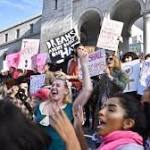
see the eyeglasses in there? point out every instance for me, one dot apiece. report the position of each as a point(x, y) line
point(110, 59)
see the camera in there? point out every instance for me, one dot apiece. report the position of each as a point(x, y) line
point(21, 95)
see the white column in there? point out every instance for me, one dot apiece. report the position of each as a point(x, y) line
point(146, 33)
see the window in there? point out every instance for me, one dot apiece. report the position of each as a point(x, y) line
point(18, 33)
point(6, 37)
point(56, 3)
point(31, 28)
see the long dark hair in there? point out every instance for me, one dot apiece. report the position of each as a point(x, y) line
point(131, 54)
point(134, 110)
point(17, 132)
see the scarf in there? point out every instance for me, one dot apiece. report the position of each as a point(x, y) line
point(117, 138)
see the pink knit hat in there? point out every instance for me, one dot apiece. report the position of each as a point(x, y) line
point(43, 94)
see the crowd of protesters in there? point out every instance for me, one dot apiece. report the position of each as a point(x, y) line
point(54, 118)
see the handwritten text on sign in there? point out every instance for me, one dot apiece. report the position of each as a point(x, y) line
point(36, 82)
point(29, 48)
point(109, 34)
point(96, 63)
point(62, 46)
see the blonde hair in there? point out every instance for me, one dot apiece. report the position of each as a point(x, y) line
point(59, 75)
point(117, 63)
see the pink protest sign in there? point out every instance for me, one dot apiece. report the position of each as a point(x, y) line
point(29, 48)
point(41, 61)
point(13, 60)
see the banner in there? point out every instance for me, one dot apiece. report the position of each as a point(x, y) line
point(132, 69)
point(61, 47)
point(13, 60)
point(144, 77)
point(29, 48)
point(36, 82)
point(110, 34)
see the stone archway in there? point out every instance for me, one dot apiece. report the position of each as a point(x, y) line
point(128, 12)
point(89, 27)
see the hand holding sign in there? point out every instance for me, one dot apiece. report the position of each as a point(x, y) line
point(82, 54)
point(107, 71)
point(96, 62)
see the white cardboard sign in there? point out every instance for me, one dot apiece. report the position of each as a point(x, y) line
point(109, 34)
point(133, 71)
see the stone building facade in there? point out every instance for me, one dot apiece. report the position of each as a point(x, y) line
point(86, 16)
point(11, 38)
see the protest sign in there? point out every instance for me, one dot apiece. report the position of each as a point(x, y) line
point(96, 63)
point(29, 48)
point(36, 82)
point(39, 61)
point(132, 69)
point(13, 60)
point(61, 47)
point(110, 34)
point(144, 77)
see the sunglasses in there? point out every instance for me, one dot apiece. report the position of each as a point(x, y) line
point(110, 59)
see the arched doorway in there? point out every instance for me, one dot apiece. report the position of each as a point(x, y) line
point(128, 12)
point(89, 28)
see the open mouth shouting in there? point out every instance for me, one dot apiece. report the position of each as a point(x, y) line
point(101, 124)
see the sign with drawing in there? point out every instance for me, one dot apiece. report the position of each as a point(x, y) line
point(133, 71)
point(29, 48)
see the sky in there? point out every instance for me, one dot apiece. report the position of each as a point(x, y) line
point(15, 11)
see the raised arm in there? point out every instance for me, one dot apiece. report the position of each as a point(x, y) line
point(87, 84)
point(60, 122)
point(78, 121)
